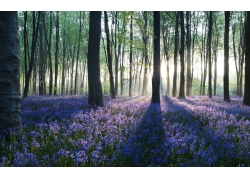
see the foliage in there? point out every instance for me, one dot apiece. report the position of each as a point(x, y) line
point(197, 131)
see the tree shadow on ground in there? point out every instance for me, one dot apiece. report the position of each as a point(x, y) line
point(212, 145)
point(145, 146)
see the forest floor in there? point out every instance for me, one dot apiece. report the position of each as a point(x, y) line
point(196, 131)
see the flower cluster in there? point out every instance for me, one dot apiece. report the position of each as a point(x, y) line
point(65, 131)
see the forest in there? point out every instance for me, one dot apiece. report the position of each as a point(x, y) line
point(125, 88)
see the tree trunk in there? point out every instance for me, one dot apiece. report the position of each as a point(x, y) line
point(130, 56)
point(94, 83)
point(145, 41)
point(210, 54)
point(205, 58)
point(175, 54)
point(35, 24)
point(10, 109)
point(41, 58)
point(226, 58)
point(156, 67)
point(56, 52)
point(188, 42)
point(78, 51)
point(63, 57)
point(215, 65)
point(182, 76)
point(109, 56)
point(246, 99)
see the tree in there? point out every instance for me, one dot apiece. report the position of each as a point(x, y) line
point(30, 61)
point(182, 81)
point(210, 54)
point(10, 116)
point(145, 36)
point(130, 55)
point(175, 54)
point(56, 52)
point(226, 58)
point(157, 68)
point(109, 57)
point(188, 42)
point(94, 83)
point(246, 99)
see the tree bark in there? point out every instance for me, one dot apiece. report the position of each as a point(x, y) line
point(109, 56)
point(188, 42)
point(246, 99)
point(156, 67)
point(94, 83)
point(10, 109)
point(130, 56)
point(145, 41)
point(175, 54)
point(210, 54)
point(182, 76)
point(226, 58)
point(78, 51)
point(56, 52)
point(41, 58)
point(35, 24)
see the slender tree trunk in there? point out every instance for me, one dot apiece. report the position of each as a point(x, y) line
point(122, 69)
point(109, 56)
point(78, 52)
point(156, 67)
point(246, 99)
point(41, 57)
point(145, 41)
point(205, 58)
point(235, 59)
point(35, 24)
point(188, 42)
point(226, 58)
point(56, 52)
point(175, 54)
point(130, 56)
point(48, 41)
point(94, 82)
point(10, 109)
point(215, 65)
point(241, 62)
point(210, 54)
point(182, 76)
point(63, 57)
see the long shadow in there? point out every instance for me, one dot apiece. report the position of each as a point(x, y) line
point(145, 146)
point(219, 106)
point(213, 145)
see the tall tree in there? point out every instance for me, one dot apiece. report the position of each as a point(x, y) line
point(210, 54)
point(56, 52)
point(156, 68)
point(182, 80)
point(29, 62)
point(130, 55)
point(81, 18)
point(145, 36)
point(226, 58)
point(10, 116)
point(215, 51)
point(48, 43)
point(94, 82)
point(42, 62)
point(109, 57)
point(246, 99)
point(175, 53)
point(188, 42)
